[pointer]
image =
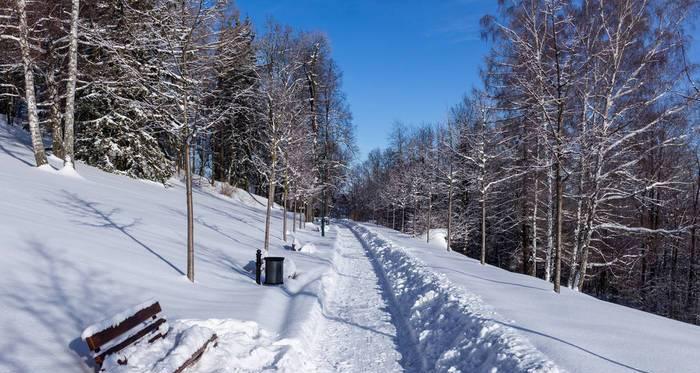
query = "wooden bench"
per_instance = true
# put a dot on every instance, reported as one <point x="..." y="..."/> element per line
<point x="140" y="325"/>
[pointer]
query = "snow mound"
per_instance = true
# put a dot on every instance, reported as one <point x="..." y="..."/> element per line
<point x="69" y="170"/>
<point x="309" y="248"/>
<point x="163" y="355"/>
<point x="241" y="346"/>
<point x="454" y="330"/>
<point x="313" y="227"/>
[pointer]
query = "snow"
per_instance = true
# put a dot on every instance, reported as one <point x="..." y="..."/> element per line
<point x="368" y="299"/>
<point x="313" y="227"/>
<point x="69" y="170"/>
<point x="290" y="268"/>
<point x="454" y="331"/>
<point x="75" y="251"/>
<point x="309" y="248"/>
<point x="578" y="332"/>
<point x="438" y="237"/>
<point x="240" y="346"/>
<point x="163" y="355"/>
<point x="354" y="310"/>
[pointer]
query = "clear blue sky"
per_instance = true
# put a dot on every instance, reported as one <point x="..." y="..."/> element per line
<point x="402" y="60"/>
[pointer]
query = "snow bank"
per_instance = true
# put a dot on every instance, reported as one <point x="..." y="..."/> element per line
<point x="308" y="248"/>
<point x="241" y="346"/>
<point x="313" y="227"/>
<point x="454" y="330"/>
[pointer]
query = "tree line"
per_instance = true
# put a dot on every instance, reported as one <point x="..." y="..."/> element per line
<point x="160" y="88"/>
<point x="578" y="162"/>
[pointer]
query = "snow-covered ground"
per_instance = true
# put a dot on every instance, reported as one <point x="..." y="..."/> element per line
<point x="76" y="248"/>
<point x="454" y="331"/>
<point x="576" y="332"/>
<point x="355" y="332"/>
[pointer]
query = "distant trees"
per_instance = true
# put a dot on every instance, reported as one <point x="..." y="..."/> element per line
<point x="577" y="164"/>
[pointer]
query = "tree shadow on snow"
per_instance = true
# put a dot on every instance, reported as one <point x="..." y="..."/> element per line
<point x="446" y="269"/>
<point x="17" y="138"/>
<point x="93" y="216"/>
<point x="50" y="308"/>
<point x="526" y="330"/>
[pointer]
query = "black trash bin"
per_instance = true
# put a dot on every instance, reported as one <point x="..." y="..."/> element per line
<point x="274" y="270"/>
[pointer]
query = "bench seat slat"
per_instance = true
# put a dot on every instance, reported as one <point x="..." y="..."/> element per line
<point x="120" y="346"/>
<point x="99" y="339"/>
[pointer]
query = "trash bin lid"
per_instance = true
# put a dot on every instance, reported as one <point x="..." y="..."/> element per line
<point x="274" y="258"/>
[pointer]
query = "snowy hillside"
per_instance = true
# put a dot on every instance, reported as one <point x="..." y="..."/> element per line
<point x="77" y="248"/>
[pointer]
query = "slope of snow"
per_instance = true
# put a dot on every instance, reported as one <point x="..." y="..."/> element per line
<point x="77" y="249"/>
<point x="454" y="330"/>
<point x="576" y="331"/>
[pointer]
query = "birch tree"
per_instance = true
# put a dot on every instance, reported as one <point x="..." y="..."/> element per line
<point x="69" y="116"/>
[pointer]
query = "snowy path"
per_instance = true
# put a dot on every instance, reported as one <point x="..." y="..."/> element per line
<point x="452" y="330"/>
<point x="355" y="332"/>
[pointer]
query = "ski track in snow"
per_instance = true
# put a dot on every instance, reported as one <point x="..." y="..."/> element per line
<point x="355" y="332"/>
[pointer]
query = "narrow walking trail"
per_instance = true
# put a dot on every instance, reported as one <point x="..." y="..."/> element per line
<point x="355" y="332"/>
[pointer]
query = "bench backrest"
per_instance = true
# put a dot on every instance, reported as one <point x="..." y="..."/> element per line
<point x="116" y="337"/>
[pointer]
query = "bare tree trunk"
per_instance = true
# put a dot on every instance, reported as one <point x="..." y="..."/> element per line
<point x="294" y="215"/>
<point x="55" y="115"/>
<point x="560" y="200"/>
<point x="691" y="292"/>
<point x="69" y="117"/>
<point x="427" y="230"/>
<point x="190" y="212"/>
<point x="28" y="64"/>
<point x="449" y="213"/>
<point x="533" y="258"/>
<point x="324" y="207"/>
<point x="483" y="228"/>
<point x="403" y="219"/>
<point x="550" y="226"/>
<point x="270" y="200"/>
<point x="415" y="216"/>
<point x="284" y="208"/>
<point x="577" y="234"/>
